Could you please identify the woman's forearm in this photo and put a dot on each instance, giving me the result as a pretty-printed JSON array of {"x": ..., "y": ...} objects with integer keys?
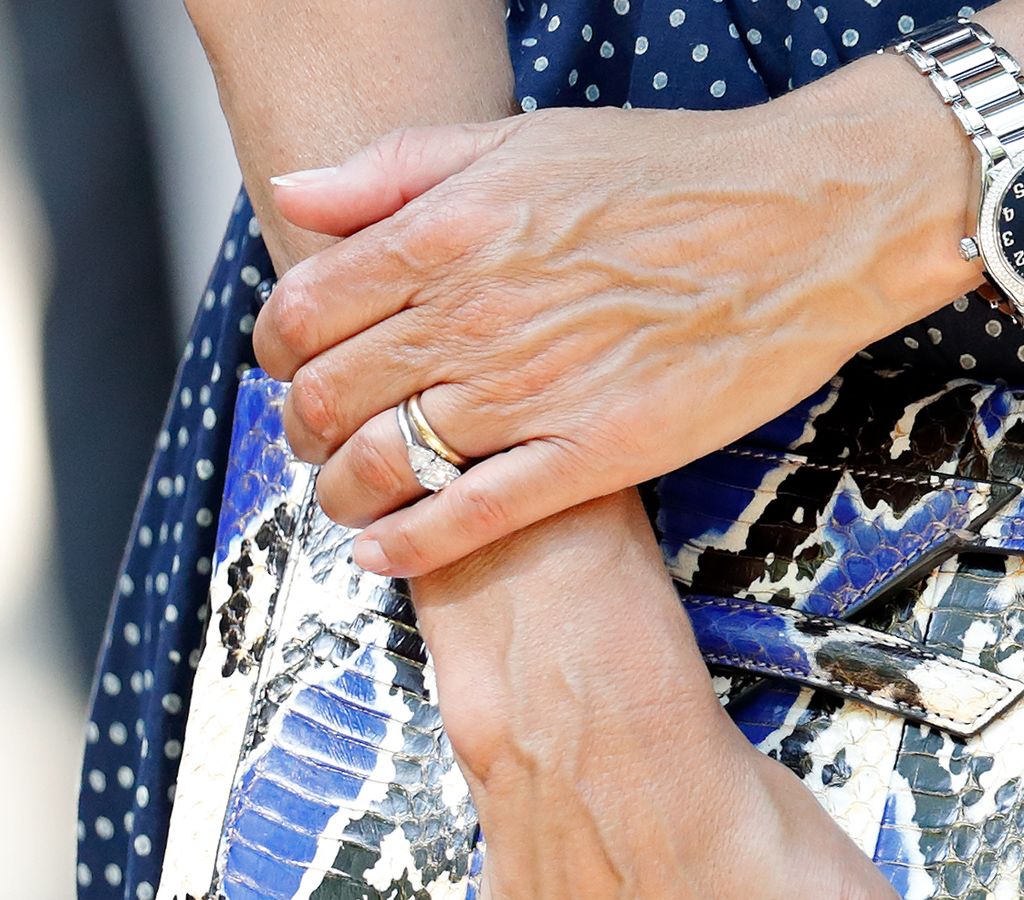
[{"x": 307, "y": 84}]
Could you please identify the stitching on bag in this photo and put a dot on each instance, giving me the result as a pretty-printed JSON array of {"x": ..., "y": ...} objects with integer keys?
[
  {"x": 952, "y": 662},
  {"x": 803, "y": 462}
]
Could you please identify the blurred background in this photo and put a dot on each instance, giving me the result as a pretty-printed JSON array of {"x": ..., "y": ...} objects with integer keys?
[{"x": 117, "y": 176}]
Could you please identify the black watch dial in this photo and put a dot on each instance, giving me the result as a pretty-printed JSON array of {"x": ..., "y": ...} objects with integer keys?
[{"x": 1010, "y": 224}]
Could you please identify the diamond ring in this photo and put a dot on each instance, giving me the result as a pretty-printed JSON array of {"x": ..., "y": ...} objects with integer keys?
[{"x": 432, "y": 461}]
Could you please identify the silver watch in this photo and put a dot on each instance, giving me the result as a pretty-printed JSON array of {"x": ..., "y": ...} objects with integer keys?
[{"x": 982, "y": 84}]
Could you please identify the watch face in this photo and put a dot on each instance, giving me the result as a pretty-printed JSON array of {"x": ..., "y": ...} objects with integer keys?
[{"x": 1010, "y": 224}]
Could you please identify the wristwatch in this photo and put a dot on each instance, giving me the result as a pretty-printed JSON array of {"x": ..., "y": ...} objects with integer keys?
[{"x": 982, "y": 84}]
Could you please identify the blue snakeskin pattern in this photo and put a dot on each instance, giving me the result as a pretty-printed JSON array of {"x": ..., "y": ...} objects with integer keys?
[
  {"x": 343, "y": 783},
  {"x": 316, "y": 688}
]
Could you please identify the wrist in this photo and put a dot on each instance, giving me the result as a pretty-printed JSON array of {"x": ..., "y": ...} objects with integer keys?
[{"x": 910, "y": 176}]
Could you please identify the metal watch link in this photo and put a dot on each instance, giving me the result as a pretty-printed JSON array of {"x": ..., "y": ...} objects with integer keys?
[{"x": 982, "y": 85}]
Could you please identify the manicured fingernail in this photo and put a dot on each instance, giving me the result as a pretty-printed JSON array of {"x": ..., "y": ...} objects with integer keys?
[
  {"x": 370, "y": 555},
  {"x": 303, "y": 178}
]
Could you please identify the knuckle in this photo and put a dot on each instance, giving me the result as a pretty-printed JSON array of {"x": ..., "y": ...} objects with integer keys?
[
  {"x": 371, "y": 466},
  {"x": 311, "y": 400},
  {"x": 479, "y": 509},
  {"x": 293, "y": 318}
]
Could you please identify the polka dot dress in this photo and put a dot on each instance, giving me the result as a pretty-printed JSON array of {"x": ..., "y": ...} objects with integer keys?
[{"x": 695, "y": 54}]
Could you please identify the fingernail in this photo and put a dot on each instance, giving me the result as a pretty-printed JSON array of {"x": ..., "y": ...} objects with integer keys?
[
  {"x": 370, "y": 555},
  {"x": 304, "y": 177}
]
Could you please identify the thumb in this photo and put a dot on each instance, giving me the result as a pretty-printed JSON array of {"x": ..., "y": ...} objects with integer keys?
[{"x": 381, "y": 178}]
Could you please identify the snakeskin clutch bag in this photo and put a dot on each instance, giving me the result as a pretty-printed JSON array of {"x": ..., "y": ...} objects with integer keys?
[{"x": 853, "y": 571}]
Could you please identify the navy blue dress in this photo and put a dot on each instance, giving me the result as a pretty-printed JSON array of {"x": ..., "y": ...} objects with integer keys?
[{"x": 693, "y": 54}]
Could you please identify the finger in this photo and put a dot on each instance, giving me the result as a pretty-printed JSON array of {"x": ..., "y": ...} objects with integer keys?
[
  {"x": 369, "y": 476},
  {"x": 498, "y": 496},
  {"x": 342, "y": 388},
  {"x": 381, "y": 178}
]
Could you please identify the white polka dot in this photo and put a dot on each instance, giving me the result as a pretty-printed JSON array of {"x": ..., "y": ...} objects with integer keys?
[
  {"x": 607, "y": 50},
  {"x": 540, "y": 63},
  {"x": 821, "y": 13},
  {"x": 174, "y": 656},
  {"x": 144, "y": 891},
  {"x": 135, "y": 682},
  {"x": 718, "y": 88},
  {"x": 788, "y": 43},
  {"x": 92, "y": 733},
  {"x": 960, "y": 304},
  {"x": 172, "y": 789},
  {"x": 1020, "y": 353},
  {"x": 554, "y": 23},
  {"x": 734, "y": 32},
  {"x": 179, "y": 530},
  {"x": 165, "y": 486},
  {"x": 247, "y": 323},
  {"x": 793, "y": 4},
  {"x": 993, "y": 327},
  {"x": 162, "y": 583},
  {"x": 176, "y": 564},
  {"x": 142, "y": 796},
  {"x": 215, "y": 373},
  {"x": 183, "y": 436},
  {"x": 111, "y": 684},
  {"x": 529, "y": 104},
  {"x": 659, "y": 81},
  {"x": 206, "y": 348},
  {"x": 676, "y": 18},
  {"x": 621, "y": 7},
  {"x": 171, "y": 613},
  {"x": 118, "y": 733},
  {"x": 250, "y": 275},
  {"x": 230, "y": 248},
  {"x": 143, "y": 845},
  {"x": 905, "y": 24},
  {"x": 850, "y": 37},
  {"x": 241, "y": 369},
  {"x": 171, "y": 704},
  {"x": 587, "y": 32},
  {"x": 754, "y": 36},
  {"x": 186, "y": 397},
  {"x": 113, "y": 874},
  {"x": 204, "y": 469},
  {"x": 125, "y": 778},
  {"x": 254, "y": 228},
  {"x": 203, "y": 565},
  {"x": 193, "y": 659},
  {"x": 104, "y": 828},
  {"x": 209, "y": 298},
  {"x": 140, "y": 728},
  {"x": 81, "y": 830},
  {"x": 966, "y": 11},
  {"x": 592, "y": 92},
  {"x": 967, "y": 361},
  {"x": 126, "y": 585},
  {"x": 145, "y": 536},
  {"x": 934, "y": 335},
  {"x": 699, "y": 53},
  {"x": 172, "y": 749},
  {"x": 83, "y": 875},
  {"x": 179, "y": 484},
  {"x": 911, "y": 342},
  {"x": 529, "y": 42},
  {"x": 97, "y": 781},
  {"x": 819, "y": 57},
  {"x": 144, "y": 748},
  {"x": 226, "y": 293},
  {"x": 543, "y": 10},
  {"x": 147, "y": 679},
  {"x": 640, "y": 48}
]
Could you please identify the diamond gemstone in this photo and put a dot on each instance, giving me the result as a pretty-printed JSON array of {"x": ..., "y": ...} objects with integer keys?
[{"x": 432, "y": 472}]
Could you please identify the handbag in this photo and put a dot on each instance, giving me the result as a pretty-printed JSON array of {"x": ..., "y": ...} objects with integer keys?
[{"x": 854, "y": 573}]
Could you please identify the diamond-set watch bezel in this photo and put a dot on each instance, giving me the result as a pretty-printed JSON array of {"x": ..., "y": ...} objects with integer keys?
[{"x": 997, "y": 181}]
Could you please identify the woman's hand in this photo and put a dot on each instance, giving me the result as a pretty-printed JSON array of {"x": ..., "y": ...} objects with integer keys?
[
  {"x": 604, "y": 295},
  {"x": 600, "y": 761}
]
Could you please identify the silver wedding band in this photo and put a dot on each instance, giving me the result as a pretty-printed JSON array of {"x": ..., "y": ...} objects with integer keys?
[{"x": 433, "y": 462}]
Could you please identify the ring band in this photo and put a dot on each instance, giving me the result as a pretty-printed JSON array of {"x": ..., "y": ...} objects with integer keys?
[
  {"x": 432, "y": 470},
  {"x": 430, "y": 437}
]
